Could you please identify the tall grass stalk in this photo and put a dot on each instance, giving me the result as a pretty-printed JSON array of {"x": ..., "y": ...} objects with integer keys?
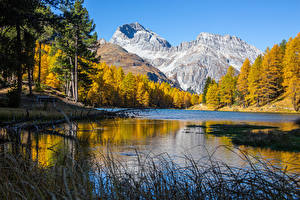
[{"x": 153, "y": 177}]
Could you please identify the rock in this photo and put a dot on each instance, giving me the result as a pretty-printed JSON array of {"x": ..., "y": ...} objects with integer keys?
[{"x": 190, "y": 63}]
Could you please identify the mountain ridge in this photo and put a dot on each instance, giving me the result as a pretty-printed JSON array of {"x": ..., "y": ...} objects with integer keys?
[
  {"x": 113, "y": 54},
  {"x": 188, "y": 63}
]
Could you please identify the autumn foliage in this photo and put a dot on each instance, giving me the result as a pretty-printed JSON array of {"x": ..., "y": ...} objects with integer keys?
[
  {"x": 275, "y": 73},
  {"x": 103, "y": 85}
]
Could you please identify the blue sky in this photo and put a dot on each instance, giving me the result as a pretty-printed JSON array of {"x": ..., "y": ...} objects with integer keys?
[{"x": 261, "y": 23}]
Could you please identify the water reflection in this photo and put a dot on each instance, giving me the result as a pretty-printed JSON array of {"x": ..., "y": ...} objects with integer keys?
[{"x": 148, "y": 136}]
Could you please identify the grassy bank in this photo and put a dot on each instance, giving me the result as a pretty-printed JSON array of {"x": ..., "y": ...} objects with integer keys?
[
  {"x": 153, "y": 178},
  {"x": 34, "y": 111},
  {"x": 256, "y": 136},
  {"x": 280, "y": 105}
]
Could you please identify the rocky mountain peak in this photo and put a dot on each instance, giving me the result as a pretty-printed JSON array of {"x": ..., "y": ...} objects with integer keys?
[
  {"x": 130, "y": 30},
  {"x": 135, "y": 34},
  {"x": 189, "y": 63}
]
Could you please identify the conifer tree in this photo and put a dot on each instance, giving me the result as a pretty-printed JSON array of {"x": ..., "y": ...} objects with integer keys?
[
  {"x": 212, "y": 96},
  {"x": 227, "y": 88},
  {"x": 194, "y": 99},
  {"x": 207, "y": 83},
  {"x": 242, "y": 82},
  {"x": 254, "y": 82},
  {"x": 272, "y": 74},
  {"x": 291, "y": 71},
  {"x": 76, "y": 40},
  {"x": 128, "y": 89},
  {"x": 21, "y": 20}
]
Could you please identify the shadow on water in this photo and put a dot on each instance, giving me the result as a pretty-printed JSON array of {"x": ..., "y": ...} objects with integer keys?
[{"x": 142, "y": 158}]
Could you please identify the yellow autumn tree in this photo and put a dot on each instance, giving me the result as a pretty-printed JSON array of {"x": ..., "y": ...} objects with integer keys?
[
  {"x": 212, "y": 96},
  {"x": 128, "y": 90},
  {"x": 194, "y": 99},
  {"x": 52, "y": 81},
  {"x": 45, "y": 63},
  {"x": 272, "y": 74},
  {"x": 254, "y": 82},
  {"x": 291, "y": 71},
  {"x": 227, "y": 87},
  {"x": 242, "y": 82}
]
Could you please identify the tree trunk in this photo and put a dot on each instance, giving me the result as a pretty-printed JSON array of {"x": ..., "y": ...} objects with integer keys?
[
  {"x": 40, "y": 61},
  {"x": 72, "y": 79},
  {"x": 30, "y": 71},
  {"x": 76, "y": 71},
  {"x": 29, "y": 79},
  {"x": 19, "y": 65}
]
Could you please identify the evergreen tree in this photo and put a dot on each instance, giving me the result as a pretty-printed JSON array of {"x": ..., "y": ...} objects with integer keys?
[
  {"x": 21, "y": 19},
  {"x": 76, "y": 40}
]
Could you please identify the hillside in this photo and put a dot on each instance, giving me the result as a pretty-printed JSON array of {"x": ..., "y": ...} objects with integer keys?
[
  {"x": 282, "y": 104},
  {"x": 113, "y": 54}
]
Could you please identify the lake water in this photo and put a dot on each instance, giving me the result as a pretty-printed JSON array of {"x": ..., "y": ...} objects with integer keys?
[{"x": 165, "y": 131}]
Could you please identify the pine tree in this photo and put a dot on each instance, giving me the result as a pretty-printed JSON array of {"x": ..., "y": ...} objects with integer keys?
[
  {"x": 76, "y": 40},
  {"x": 242, "y": 82},
  {"x": 21, "y": 22},
  {"x": 291, "y": 71}
]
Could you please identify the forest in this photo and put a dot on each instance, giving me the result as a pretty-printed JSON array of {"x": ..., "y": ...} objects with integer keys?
[
  {"x": 272, "y": 75},
  {"x": 58, "y": 51},
  {"x": 51, "y": 43}
]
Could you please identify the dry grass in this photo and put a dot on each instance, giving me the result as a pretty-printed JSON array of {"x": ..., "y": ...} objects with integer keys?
[{"x": 151, "y": 178}]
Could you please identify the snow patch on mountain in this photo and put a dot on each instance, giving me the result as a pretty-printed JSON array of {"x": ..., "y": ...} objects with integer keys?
[{"x": 189, "y": 63}]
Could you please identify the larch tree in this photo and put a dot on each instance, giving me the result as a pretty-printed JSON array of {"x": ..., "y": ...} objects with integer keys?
[
  {"x": 227, "y": 86},
  {"x": 291, "y": 71},
  {"x": 207, "y": 83},
  {"x": 128, "y": 89},
  {"x": 242, "y": 82},
  {"x": 254, "y": 80},
  {"x": 272, "y": 74},
  {"x": 212, "y": 96}
]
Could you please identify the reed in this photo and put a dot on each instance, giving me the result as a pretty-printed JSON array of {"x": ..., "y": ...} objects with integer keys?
[{"x": 151, "y": 177}]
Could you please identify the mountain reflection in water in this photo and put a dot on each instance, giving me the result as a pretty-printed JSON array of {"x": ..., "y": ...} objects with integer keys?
[{"x": 124, "y": 137}]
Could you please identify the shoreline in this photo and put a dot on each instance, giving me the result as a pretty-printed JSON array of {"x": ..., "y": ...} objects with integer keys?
[{"x": 239, "y": 109}]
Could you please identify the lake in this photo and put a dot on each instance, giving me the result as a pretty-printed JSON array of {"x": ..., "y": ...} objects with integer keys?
[{"x": 165, "y": 131}]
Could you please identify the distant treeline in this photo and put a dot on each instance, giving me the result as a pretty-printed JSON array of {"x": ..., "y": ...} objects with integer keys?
[
  {"x": 275, "y": 73},
  {"x": 103, "y": 85}
]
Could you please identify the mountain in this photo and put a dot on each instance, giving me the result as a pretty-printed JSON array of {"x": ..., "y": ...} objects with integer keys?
[
  {"x": 113, "y": 54},
  {"x": 189, "y": 63}
]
